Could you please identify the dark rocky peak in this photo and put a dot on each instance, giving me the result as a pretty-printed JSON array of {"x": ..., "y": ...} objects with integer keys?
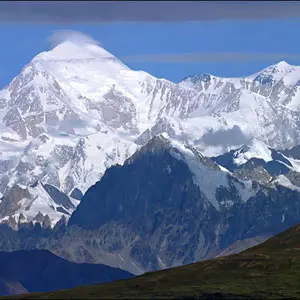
[
  {"x": 160, "y": 143},
  {"x": 156, "y": 144},
  {"x": 140, "y": 190},
  {"x": 202, "y": 77}
]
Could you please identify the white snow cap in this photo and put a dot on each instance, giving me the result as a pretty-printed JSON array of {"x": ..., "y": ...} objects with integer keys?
[
  {"x": 280, "y": 67},
  {"x": 281, "y": 70},
  {"x": 74, "y": 50}
]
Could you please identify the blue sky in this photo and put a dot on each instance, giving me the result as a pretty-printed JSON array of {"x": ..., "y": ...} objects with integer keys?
[{"x": 21, "y": 42}]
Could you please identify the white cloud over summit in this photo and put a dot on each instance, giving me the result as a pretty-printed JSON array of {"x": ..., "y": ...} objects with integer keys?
[{"x": 73, "y": 36}]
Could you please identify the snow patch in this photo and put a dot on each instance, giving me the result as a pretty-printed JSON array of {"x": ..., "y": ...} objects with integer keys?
[
  {"x": 284, "y": 181},
  {"x": 256, "y": 149}
]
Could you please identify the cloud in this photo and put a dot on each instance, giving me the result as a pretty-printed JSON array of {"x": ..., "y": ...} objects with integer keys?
[
  {"x": 225, "y": 137},
  {"x": 65, "y": 12},
  {"x": 76, "y": 37},
  {"x": 208, "y": 57}
]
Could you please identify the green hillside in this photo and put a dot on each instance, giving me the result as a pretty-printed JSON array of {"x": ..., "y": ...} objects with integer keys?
[{"x": 267, "y": 271}]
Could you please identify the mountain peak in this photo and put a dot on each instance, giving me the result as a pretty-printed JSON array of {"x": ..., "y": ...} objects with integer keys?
[
  {"x": 202, "y": 77},
  {"x": 277, "y": 72},
  {"x": 283, "y": 64},
  {"x": 281, "y": 67},
  {"x": 70, "y": 50}
]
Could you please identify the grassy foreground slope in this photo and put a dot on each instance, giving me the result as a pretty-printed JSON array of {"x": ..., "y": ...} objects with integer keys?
[{"x": 267, "y": 271}]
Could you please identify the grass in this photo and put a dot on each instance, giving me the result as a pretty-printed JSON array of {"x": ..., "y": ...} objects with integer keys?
[{"x": 267, "y": 271}]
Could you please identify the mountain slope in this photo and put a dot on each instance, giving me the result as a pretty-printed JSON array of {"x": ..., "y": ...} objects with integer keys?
[
  {"x": 40, "y": 270},
  {"x": 267, "y": 271},
  {"x": 180, "y": 207}
]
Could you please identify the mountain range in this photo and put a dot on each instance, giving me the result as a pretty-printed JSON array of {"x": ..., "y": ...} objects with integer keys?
[
  {"x": 168, "y": 205},
  {"x": 76, "y": 110},
  {"x": 106, "y": 165}
]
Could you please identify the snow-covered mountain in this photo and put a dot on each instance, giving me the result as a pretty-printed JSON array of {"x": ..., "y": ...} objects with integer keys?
[{"x": 76, "y": 110}]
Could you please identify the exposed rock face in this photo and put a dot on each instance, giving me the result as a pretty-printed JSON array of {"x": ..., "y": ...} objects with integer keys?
[
  {"x": 258, "y": 174},
  {"x": 11, "y": 202},
  {"x": 43, "y": 204}
]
